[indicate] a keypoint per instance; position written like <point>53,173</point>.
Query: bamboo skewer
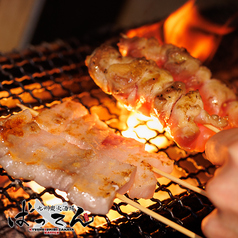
<point>32,111</point>
<point>212,128</point>
<point>180,181</point>
<point>35,113</point>
<point>158,217</point>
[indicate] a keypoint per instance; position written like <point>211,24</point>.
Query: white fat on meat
<point>91,181</point>
<point>89,132</point>
<point>164,101</point>
<point>131,151</point>
<point>57,118</point>
<point>231,111</point>
<point>78,127</point>
<point>215,94</point>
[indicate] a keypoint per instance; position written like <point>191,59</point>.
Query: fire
<point>143,129</point>
<point>187,28</point>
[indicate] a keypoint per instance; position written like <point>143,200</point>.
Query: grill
<point>47,74</point>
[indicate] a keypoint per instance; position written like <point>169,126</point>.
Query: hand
<point>222,189</point>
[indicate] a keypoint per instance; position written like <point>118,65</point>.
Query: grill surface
<point>47,74</point>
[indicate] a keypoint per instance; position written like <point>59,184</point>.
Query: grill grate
<point>44,75</point>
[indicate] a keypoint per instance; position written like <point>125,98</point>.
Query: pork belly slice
<point>57,118</point>
<point>131,151</point>
<point>91,181</point>
<point>77,127</point>
<point>89,132</point>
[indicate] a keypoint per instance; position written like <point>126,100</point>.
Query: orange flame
<point>187,28</point>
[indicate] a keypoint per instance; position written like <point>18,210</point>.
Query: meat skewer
<point>217,97</point>
<point>118,195</point>
<point>77,106</point>
<point>56,151</point>
<point>29,152</point>
<point>88,132</point>
<point>141,85</point>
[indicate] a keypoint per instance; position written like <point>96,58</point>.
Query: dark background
<point>73,18</point>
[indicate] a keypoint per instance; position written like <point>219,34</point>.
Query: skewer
<point>180,181</point>
<point>213,128</point>
<point>158,217</point>
<point>23,107</point>
<point>35,113</point>
<point>166,175</point>
<point>144,209</point>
